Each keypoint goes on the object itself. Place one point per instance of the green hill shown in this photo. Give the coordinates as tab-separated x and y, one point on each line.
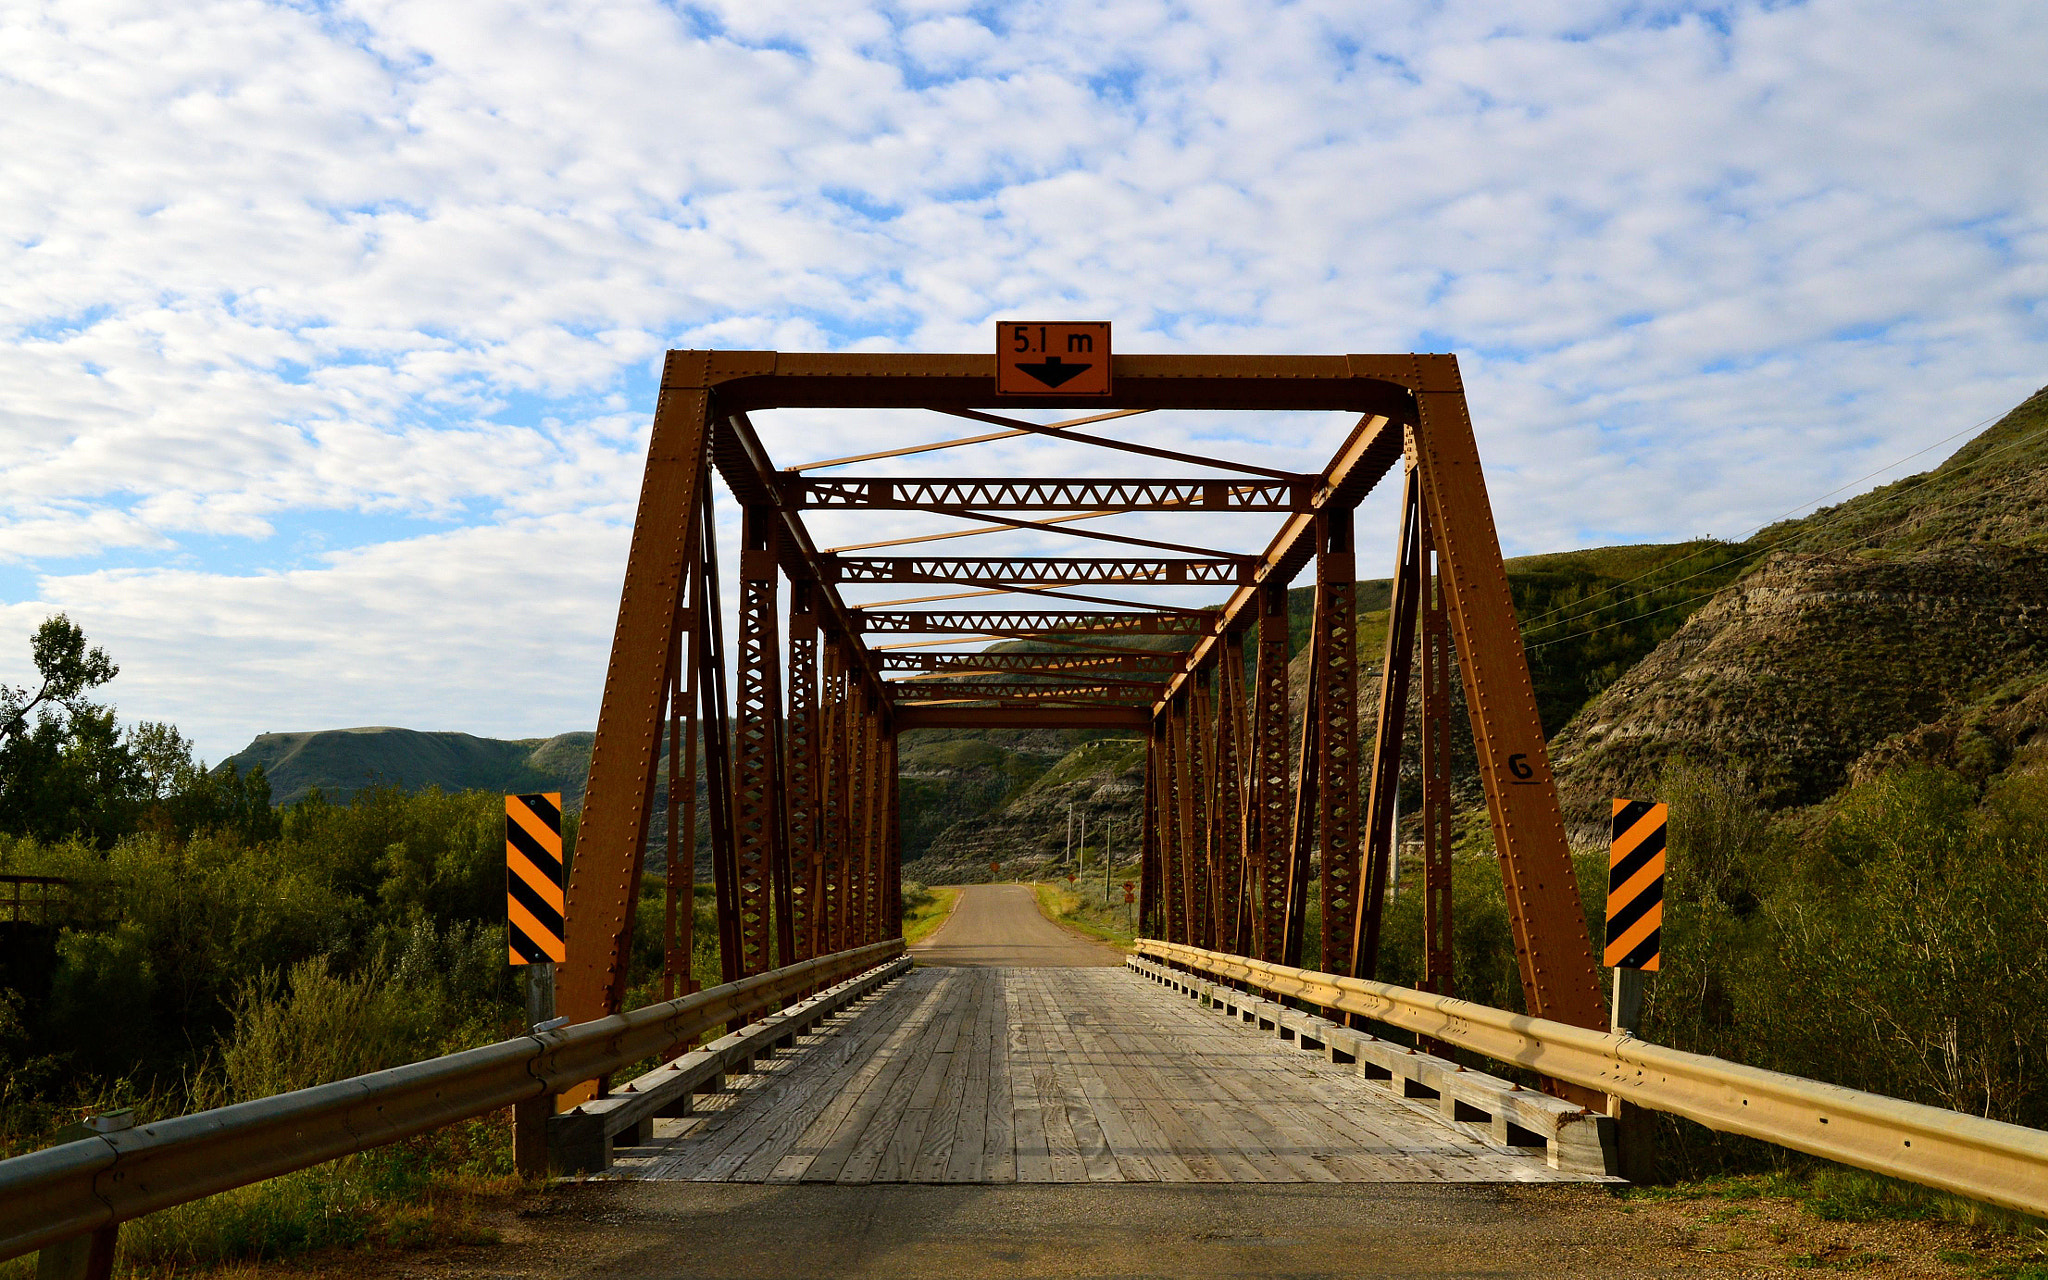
340	762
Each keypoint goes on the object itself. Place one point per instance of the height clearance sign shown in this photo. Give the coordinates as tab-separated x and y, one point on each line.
1044	358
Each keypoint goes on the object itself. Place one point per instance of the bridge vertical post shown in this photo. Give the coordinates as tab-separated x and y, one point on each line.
1552	945
800	770
855	799
1301	832
1226	804
892	837
604	884
832	827
1194	813
872	804
758	818
1336	675
1148	839
1269	830
1172	898
1437	937
679	851
712	708
1382	839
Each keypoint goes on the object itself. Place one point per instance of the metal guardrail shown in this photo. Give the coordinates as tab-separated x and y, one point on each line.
65	1191
1989	1160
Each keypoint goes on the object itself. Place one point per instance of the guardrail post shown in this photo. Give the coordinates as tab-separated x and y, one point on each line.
90	1256
1635	1151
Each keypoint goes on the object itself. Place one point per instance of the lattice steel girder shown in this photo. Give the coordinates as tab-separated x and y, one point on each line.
1382	842
995	571
1015	717
604	883
1271	800
800	772
760	821
1034	663
911	494
1026	623
1559	977
1336	707
991	690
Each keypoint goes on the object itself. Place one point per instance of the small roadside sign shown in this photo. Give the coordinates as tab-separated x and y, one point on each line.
533	877
1052	358
1635	887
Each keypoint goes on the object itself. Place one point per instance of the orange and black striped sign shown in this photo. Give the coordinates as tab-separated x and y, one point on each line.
533	876
1635	887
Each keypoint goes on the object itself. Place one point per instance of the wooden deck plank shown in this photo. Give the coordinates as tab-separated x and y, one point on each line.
972	1075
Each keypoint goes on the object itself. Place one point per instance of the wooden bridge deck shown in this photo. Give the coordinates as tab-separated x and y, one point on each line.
995	1075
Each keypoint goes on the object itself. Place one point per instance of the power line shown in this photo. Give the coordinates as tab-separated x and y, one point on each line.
1768	523
1790	536
1700	595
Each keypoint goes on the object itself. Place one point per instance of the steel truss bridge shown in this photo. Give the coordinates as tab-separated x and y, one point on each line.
792	714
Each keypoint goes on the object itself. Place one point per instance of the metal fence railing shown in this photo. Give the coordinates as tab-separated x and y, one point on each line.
84	1186
1989	1160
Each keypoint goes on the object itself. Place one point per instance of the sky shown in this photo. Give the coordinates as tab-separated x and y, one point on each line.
329	331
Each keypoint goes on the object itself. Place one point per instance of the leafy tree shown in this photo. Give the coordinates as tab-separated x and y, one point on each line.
68	670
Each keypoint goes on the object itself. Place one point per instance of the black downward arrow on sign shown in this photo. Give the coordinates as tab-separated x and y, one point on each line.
1055	371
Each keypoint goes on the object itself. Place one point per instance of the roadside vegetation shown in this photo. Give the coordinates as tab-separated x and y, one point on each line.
925	908
1081	903
207	948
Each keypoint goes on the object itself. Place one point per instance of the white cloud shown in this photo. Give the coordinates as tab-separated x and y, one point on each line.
263	263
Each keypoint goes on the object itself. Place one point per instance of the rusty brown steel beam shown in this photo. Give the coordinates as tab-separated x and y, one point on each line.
1336	704
832	779
604	887
1135	660
1022	623
992	717
1374	446
1377	384
990	690
1172	820
1017	588
1435	652
1064	526
800	771
1148	837
1270	791
1092	496
932	446
1030	679
714	709
1226	805
1301	823
1383	842
1193	758
759	819
737	452
1553	949
1559	978
1125	446
1184	571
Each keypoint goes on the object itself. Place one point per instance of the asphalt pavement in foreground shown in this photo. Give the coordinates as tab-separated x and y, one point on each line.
683	1231
1001	925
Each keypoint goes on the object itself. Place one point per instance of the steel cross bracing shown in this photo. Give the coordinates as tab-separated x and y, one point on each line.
1245	824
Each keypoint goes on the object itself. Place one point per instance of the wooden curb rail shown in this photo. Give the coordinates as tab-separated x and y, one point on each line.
1563	1135
580	1139
65	1191
1989	1160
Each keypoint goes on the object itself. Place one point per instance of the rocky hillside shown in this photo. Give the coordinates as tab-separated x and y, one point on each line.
1907	624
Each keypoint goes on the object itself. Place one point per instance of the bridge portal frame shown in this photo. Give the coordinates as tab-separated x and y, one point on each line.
1220	885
